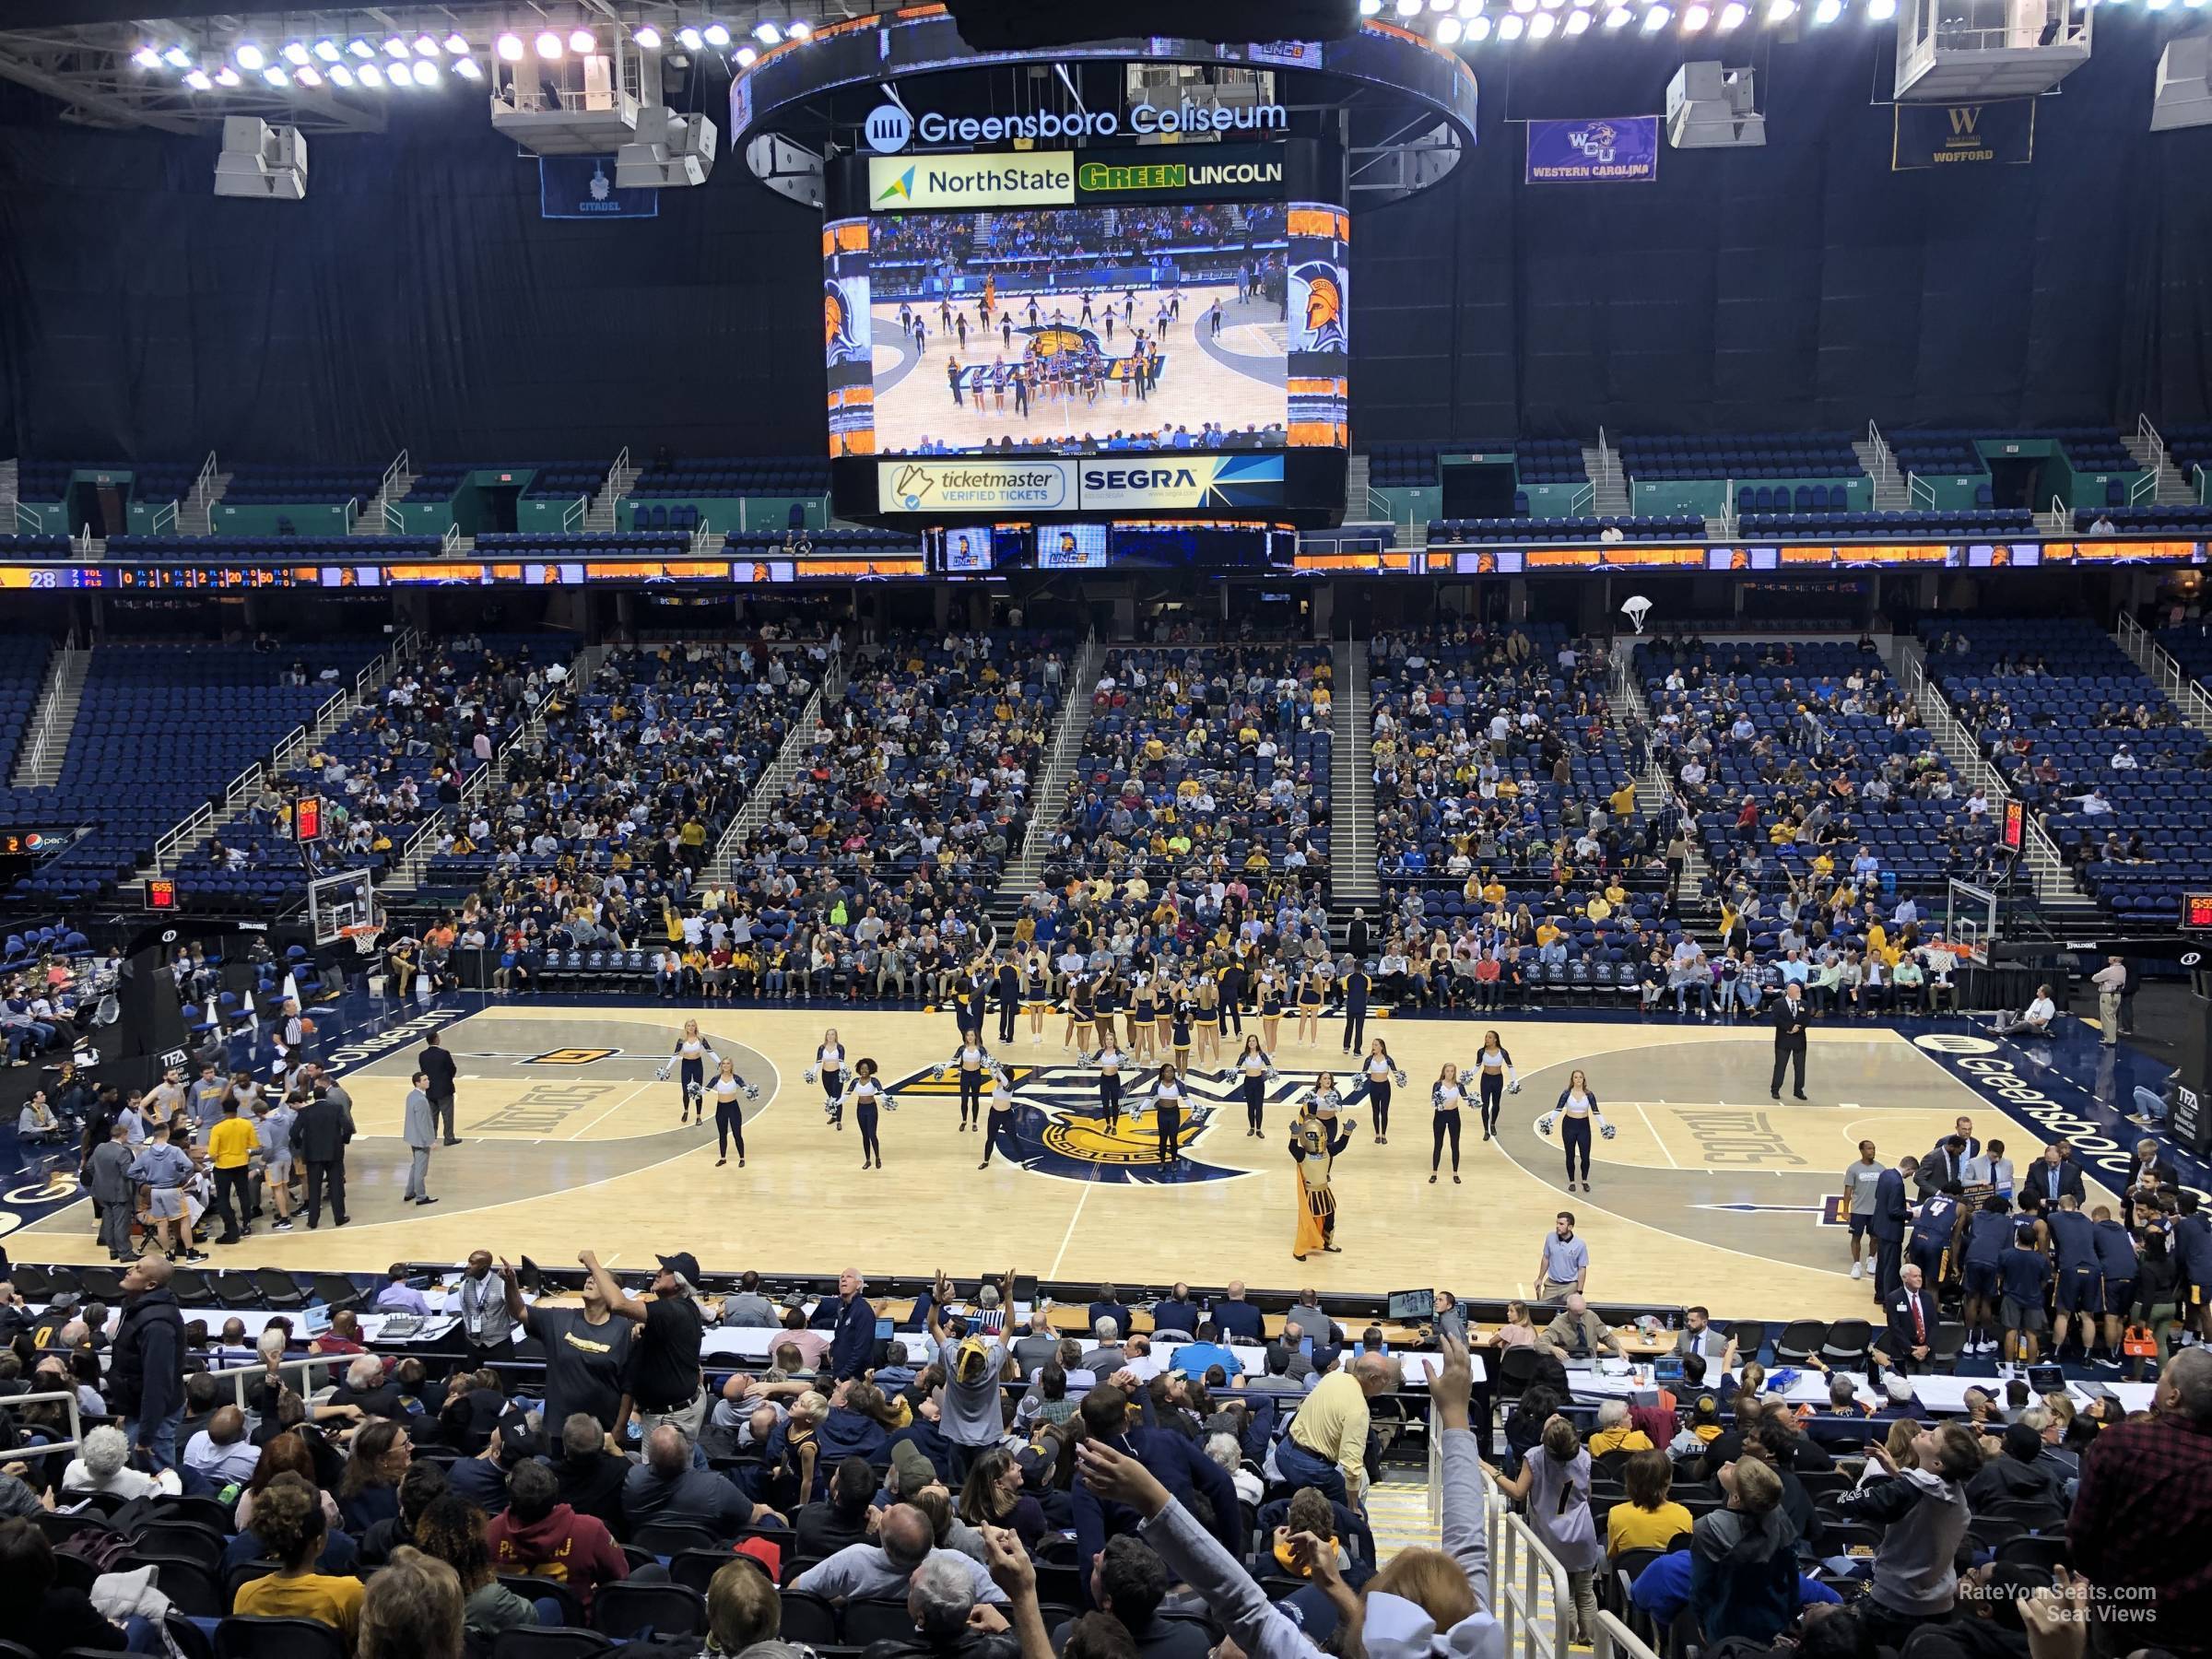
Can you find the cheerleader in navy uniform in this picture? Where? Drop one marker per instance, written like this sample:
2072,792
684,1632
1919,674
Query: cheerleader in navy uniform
1001,1121
1252,1070
729,1110
1037,995
1445,1099
690,1054
867,1095
1309,1009
972,1063
1167,1113
1144,1008
1494,1075
1271,1007
1576,1111
828,1069
1207,1015
1080,999
1179,1028
1108,1062
1106,1007
1381,1072
1324,1101
1163,1019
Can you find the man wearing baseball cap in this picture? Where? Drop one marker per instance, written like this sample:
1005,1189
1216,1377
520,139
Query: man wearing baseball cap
664,1382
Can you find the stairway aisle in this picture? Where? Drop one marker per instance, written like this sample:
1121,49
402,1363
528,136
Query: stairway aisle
46,739
1050,789
1352,879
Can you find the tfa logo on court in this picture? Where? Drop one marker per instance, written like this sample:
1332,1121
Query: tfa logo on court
888,129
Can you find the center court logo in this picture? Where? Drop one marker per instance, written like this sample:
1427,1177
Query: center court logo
888,129
1060,1130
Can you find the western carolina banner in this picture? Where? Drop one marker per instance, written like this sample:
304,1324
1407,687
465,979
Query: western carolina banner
583,187
1962,134
1622,149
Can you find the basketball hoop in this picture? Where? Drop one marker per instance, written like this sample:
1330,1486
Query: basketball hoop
364,936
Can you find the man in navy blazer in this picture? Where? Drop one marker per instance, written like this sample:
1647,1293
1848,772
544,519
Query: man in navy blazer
2053,1175
1178,1462
1890,1214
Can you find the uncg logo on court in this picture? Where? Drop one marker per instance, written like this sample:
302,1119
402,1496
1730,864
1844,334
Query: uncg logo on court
1060,1129
571,1056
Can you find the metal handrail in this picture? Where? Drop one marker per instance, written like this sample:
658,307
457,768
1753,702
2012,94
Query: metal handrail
574,513
1883,471
34,752
2145,488
185,835
304,1364
1920,495
2165,670
1354,694
1520,1567
203,490
164,518
1614,1639
1076,688
2151,441
67,1397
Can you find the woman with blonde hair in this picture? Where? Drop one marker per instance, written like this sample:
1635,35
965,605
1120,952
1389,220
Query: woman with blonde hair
413,1609
1519,1330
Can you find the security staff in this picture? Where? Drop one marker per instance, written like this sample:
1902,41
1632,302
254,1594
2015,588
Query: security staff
1009,986
1790,1017
1355,986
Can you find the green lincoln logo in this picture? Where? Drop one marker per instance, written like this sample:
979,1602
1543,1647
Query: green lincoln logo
1161,175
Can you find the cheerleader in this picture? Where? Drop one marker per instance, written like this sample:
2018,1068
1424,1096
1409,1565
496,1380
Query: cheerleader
1207,1015
867,1095
1167,1113
1108,1062
1253,1069
1271,1007
691,1054
1080,999
1163,1019
1037,995
1144,1010
1106,1007
1445,1100
1179,1030
1576,1111
829,1068
1309,1009
1324,1100
973,1062
1494,1067
1001,1121
1381,1072
729,1111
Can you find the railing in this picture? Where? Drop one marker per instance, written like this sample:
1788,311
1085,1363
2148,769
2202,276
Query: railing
2154,445
1920,495
202,493
28,514
184,836
2166,670
49,716
396,476
164,520
1051,783
703,539
767,788
2145,489
450,543
65,1397
1354,693
1521,1570
1614,1639
1881,472
305,1364
573,516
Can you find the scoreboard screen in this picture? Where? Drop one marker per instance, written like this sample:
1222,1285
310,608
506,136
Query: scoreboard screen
2196,911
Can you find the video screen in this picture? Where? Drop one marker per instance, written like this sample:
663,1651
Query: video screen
1086,330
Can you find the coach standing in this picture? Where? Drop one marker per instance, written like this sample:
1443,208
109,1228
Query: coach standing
438,1066
1890,1212
319,1138
1790,1017
419,1129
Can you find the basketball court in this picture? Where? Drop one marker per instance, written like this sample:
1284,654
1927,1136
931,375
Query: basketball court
1708,1190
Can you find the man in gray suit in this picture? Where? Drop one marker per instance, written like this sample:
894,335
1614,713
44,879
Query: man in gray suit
108,1179
420,1129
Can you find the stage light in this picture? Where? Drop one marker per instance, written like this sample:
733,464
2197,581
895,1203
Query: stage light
1731,15
1540,27
1479,30
1447,31
549,47
176,57
1369,8
511,48
226,77
276,76
198,80
1468,8
1409,8
768,34
395,48
457,43
1578,22
583,43
1695,17
1656,19
1880,11
745,57
340,76
372,76
647,36
1441,5
798,28
249,55
689,38
2159,4
295,52
307,75
427,46
1552,5
1828,11
1781,11
716,36
146,57
1510,27
327,50
426,74
466,69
